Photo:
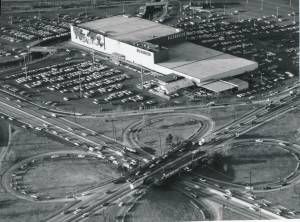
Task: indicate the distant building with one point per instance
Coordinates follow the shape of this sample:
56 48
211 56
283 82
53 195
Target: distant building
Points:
171 83
160 48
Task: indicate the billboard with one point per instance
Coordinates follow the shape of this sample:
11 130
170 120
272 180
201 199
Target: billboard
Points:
89 37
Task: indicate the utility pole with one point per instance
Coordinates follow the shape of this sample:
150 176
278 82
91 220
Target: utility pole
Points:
277 12
80 89
25 68
10 20
160 143
113 129
123 6
250 178
142 77
105 8
262 5
93 56
192 160
180 8
294 22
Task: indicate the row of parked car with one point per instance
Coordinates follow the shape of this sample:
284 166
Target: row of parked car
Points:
236 37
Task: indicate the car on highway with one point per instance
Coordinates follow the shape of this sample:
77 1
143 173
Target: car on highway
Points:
145 160
66 212
85 215
105 204
250 197
76 211
187 169
227 196
152 165
53 115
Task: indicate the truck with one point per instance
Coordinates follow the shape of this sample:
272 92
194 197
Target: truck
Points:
53 115
129 149
228 192
202 141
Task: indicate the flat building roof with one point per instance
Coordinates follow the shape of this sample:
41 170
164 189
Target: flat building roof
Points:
204 63
129 29
218 86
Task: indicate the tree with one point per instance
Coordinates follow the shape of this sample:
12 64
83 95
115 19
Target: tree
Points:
169 139
218 161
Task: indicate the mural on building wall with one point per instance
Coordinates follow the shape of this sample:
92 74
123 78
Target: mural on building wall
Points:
88 37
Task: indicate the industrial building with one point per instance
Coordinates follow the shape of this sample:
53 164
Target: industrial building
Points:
160 48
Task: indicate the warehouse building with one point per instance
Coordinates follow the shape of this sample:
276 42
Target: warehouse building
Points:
158 47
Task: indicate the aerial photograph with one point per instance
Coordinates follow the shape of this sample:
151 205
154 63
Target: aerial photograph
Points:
149 110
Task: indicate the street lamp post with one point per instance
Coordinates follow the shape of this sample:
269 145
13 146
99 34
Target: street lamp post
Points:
160 144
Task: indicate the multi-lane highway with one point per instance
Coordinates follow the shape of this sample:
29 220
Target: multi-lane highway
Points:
158 169
71 132
176 160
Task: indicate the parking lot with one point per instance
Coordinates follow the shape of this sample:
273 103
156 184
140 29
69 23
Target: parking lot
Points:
19 33
101 86
271 41
98 86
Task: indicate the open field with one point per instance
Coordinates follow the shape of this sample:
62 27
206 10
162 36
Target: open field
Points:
58 178
260 160
26 144
180 127
285 127
223 115
107 125
288 197
4 133
253 163
164 205
228 214
17 210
